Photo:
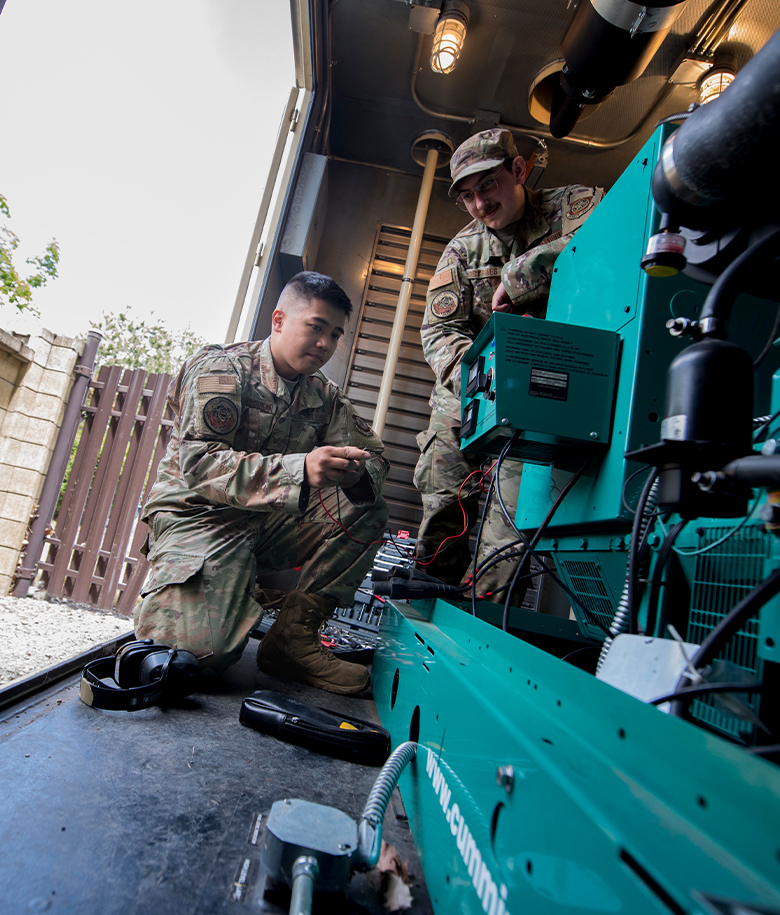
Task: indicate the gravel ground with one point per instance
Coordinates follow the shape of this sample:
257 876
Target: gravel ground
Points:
36 634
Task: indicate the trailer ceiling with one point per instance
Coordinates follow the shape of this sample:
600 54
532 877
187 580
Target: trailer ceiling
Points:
373 68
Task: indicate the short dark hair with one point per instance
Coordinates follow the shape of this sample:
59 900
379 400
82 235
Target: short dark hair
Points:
311 285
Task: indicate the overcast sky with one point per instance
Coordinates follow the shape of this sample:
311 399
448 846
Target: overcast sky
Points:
139 136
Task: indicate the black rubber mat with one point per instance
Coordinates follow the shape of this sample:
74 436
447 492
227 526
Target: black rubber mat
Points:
157 810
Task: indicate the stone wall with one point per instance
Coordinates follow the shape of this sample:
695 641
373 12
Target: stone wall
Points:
36 375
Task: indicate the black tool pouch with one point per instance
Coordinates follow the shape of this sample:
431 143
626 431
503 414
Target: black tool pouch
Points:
315 728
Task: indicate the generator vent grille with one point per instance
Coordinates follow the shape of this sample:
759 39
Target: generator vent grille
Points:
723 576
586 579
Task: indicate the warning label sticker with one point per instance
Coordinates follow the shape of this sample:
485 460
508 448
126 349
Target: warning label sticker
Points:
552 385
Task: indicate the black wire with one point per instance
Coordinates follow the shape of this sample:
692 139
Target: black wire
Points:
705 688
769 343
493 482
487 566
767 750
681 116
657 581
579 651
748 606
633 551
625 486
589 615
539 531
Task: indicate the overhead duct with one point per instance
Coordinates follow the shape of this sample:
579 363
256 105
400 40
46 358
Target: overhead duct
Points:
609 43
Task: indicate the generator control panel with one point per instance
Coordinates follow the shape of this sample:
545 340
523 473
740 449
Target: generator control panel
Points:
553 383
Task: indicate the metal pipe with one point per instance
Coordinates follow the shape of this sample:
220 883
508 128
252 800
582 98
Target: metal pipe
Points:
410 268
538 132
386 168
304 874
57 466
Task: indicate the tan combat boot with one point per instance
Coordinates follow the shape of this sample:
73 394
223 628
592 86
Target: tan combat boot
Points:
292 649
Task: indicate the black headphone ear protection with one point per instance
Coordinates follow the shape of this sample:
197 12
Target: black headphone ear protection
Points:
140 674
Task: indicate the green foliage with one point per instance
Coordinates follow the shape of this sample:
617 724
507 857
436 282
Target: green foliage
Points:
143 344
14 288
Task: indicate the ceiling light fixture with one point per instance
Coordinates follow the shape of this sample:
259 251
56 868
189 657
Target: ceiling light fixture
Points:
717 79
449 36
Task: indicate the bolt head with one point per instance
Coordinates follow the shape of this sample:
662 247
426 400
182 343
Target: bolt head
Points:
594 435
505 778
504 422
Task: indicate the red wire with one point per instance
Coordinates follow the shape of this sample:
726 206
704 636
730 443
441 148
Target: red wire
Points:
484 473
335 521
463 511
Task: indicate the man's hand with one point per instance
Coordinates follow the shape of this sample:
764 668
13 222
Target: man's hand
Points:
329 466
501 300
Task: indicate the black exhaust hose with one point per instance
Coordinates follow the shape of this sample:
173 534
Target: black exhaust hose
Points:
566 112
609 43
725 149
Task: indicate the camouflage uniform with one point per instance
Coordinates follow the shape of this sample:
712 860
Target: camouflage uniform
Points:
230 498
459 304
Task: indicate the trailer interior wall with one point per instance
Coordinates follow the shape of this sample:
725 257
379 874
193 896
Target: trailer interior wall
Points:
360 198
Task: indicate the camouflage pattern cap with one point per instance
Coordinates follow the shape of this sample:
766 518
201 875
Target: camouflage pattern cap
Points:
480 153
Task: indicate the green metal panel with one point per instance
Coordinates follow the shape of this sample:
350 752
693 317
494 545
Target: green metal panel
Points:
614 806
553 381
598 283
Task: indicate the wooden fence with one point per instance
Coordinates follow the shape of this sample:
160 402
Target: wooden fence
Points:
91 552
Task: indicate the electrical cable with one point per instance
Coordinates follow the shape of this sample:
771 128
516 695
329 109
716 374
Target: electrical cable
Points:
525 562
664 554
711 546
773 335
704 688
625 486
769 749
545 569
637 534
428 560
339 524
579 651
746 608
493 483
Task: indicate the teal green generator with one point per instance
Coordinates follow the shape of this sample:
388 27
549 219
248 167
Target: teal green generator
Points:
554 774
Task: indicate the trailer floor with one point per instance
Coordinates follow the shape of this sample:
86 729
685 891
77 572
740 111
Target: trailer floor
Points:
157 810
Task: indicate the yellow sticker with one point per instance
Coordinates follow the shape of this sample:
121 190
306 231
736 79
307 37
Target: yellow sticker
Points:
442 279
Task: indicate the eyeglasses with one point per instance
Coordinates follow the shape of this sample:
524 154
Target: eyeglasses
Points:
466 199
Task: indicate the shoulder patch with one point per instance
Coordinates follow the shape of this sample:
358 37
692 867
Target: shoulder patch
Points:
220 415
217 384
442 279
361 425
444 304
579 206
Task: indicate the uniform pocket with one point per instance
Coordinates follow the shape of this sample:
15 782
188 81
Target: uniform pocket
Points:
425 438
171 569
423 472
